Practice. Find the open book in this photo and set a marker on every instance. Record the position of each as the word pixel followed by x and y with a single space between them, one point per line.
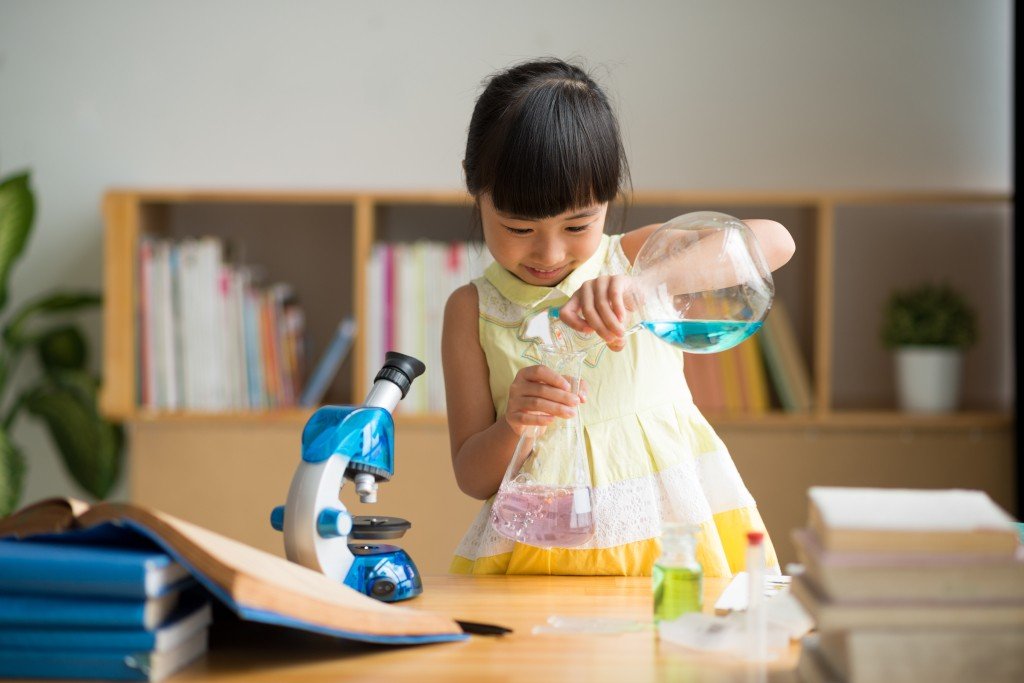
pixel 254 584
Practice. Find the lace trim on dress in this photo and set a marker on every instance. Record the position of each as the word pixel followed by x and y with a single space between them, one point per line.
pixel 631 510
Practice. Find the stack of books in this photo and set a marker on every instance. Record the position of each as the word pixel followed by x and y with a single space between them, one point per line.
pixel 253 585
pixel 69 610
pixel 910 585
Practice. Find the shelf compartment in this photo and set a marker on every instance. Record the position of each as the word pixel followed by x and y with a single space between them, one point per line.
pixel 880 248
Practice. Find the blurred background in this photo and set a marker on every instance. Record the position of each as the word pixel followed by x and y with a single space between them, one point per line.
pixel 879 131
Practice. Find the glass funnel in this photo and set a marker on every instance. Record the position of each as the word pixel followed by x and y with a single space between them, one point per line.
pixel 700 282
pixel 546 496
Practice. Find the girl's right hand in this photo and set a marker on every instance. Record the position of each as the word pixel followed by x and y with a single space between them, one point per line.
pixel 537 396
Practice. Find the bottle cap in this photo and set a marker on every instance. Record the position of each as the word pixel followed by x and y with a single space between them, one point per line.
pixel 755 537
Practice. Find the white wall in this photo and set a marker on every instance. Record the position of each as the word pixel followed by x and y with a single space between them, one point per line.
pixel 768 94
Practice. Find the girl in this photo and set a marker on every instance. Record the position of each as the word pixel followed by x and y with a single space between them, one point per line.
pixel 543 161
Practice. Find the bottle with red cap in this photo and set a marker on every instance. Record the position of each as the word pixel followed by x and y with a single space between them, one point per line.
pixel 756 622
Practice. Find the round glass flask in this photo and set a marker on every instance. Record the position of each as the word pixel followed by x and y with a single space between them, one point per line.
pixel 700 282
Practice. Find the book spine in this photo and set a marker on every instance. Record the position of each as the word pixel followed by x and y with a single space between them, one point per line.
pixel 146 363
pixel 329 364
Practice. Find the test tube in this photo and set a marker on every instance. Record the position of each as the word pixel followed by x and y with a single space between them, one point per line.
pixel 756 621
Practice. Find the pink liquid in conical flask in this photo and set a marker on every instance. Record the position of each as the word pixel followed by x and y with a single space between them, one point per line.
pixel 544 516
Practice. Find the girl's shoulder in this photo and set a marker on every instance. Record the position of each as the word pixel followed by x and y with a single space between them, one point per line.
pixel 461 310
pixel 463 300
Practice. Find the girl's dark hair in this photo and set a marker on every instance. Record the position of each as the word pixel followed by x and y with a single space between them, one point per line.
pixel 543 140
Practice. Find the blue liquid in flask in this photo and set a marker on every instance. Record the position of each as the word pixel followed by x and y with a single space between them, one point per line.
pixel 703 336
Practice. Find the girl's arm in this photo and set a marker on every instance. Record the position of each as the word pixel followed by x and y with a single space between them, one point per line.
pixel 481 445
pixel 600 305
pixel 775 241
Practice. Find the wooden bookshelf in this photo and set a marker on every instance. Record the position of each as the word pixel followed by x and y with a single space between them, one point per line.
pixel 852 248
pixel 130 213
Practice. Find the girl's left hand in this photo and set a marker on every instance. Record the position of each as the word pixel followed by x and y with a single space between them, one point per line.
pixel 600 305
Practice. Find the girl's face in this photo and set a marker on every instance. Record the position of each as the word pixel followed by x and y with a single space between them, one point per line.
pixel 542 251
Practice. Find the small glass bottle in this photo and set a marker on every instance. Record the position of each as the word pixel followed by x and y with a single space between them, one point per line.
pixel 678 577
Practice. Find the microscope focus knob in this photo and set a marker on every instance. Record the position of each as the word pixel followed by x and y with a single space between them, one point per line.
pixel 277 518
pixel 332 522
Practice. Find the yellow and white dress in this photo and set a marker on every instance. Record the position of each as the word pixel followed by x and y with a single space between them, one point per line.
pixel 652 454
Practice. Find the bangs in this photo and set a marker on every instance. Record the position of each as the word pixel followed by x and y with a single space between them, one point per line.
pixel 555 149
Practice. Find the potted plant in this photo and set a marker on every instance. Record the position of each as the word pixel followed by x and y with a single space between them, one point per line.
pixel 928 327
pixel 63 392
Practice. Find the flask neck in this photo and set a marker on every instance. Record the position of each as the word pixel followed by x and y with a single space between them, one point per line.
pixel 678 546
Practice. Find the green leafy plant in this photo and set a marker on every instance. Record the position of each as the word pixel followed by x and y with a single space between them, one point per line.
pixel 928 315
pixel 63 393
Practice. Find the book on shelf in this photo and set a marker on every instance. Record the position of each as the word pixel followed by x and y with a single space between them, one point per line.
pixel 702 378
pixel 408 285
pixel 255 585
pixel 330 362
pixel 732 388
pixel 901 656
pixel 910 576
pixel 756 396
pixel 731 382
pixel 947 521
pixel 211 337
pixel 784 361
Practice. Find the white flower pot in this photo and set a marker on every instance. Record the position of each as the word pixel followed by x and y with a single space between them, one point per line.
pixel 928 378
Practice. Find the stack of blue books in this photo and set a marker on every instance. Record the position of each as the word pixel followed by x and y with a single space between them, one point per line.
pixel 87 611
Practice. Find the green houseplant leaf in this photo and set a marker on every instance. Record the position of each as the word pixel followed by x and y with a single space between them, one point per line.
pixel 64 395
pixel 89 445
pixel 17 209
pixel 12 473
pixel 17 330
pixel 928 315
pixel 62 348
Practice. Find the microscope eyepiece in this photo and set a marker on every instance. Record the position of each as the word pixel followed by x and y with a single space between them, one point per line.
pixel 401 370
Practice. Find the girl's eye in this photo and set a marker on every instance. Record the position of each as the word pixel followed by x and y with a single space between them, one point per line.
pixel 577 228
pixel 518 231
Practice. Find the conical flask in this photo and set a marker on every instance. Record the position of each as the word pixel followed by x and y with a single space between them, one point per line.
pixel 546 497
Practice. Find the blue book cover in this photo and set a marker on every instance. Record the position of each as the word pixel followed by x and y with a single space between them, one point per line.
pixel 192 616
pixel 99 665
pixel 61 610
pixel 84 570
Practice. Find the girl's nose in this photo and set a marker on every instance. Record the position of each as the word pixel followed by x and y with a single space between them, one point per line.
pixel 549 252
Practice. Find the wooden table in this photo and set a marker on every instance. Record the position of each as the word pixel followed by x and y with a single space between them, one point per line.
pixel 257 653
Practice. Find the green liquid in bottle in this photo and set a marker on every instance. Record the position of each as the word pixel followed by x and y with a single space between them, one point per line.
pixel 678 576
pixel 677 590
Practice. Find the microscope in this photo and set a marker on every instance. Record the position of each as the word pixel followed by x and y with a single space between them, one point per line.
pixel 356 443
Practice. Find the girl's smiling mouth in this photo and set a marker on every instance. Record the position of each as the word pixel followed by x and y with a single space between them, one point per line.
pixel 542 274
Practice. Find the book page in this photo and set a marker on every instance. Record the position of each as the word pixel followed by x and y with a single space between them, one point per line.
pixel 49 516
pixel 258 580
